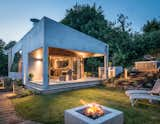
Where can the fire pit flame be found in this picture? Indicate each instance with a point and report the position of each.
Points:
(93, 110)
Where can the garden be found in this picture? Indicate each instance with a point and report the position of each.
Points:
(50, 108)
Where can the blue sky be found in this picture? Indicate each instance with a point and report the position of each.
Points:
(15, 14)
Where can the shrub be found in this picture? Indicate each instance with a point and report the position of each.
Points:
(22, 92)
(26, 92)
(30, 76)
(111, 80)
(19, 82)
(8, 83)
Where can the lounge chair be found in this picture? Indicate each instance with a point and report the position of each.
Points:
(135, 97)
(155, 90)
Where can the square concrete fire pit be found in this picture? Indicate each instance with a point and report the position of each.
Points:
(75, 116)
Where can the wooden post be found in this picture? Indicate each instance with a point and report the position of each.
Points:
(106, 60)
(3, 83)
(99, 72)
(78, 68)
(82, 68)
(13, 87)
(125, 73)
(105, 67)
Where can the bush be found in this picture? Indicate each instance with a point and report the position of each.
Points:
(26, 92)
(111, 80)
(19, 82)
(30, 76)
(8, 84)
(22, 92)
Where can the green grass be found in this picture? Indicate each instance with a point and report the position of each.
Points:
(49, 109)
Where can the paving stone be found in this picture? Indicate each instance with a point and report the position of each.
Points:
(7, 112)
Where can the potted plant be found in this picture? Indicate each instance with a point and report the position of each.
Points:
(30, 76)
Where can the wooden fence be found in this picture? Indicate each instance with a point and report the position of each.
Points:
(147, 66)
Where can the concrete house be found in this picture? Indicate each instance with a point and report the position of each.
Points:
(50, 57)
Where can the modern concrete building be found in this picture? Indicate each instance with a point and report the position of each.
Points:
(50, 57)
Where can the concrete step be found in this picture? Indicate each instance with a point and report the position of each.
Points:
(7, 108)
(63, 87)
(55, 89)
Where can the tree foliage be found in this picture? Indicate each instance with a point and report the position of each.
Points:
(3, 59)
(10, 45)
(124, 25)
(125, 46)
(87, 19)
(151, 25)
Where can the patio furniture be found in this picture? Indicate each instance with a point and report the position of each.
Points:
(135, 97)
(155, 90)
(62, 77)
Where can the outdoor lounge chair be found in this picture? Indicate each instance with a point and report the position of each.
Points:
(135, 97)
(155, 90)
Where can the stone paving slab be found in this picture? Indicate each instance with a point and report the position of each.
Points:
(7, 112)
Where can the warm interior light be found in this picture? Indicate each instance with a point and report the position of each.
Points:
(38, 55)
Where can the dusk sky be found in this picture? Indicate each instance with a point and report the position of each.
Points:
(15, 14)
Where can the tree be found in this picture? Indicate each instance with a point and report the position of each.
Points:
(87, 19)
(151, 25)
(122, 20)
(90, 20)
(125, 47)
(93, 63)
(151, 41)
(3, 60)
(2, 44)
(10, 45)
(120, 40)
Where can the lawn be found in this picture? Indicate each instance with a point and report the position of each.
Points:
(49, 109)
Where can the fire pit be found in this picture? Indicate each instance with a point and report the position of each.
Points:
(93, 111)
(93, 114)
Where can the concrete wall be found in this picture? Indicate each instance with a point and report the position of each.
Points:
(34, 39)
(36, 68)
(35, 63)
(61, 36)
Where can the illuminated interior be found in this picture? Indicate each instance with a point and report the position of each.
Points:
(63, 65)
(67, 65)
